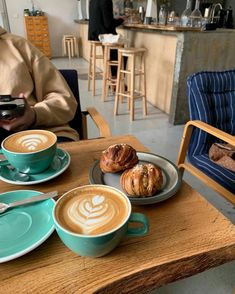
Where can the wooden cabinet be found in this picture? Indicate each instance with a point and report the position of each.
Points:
(38, 33)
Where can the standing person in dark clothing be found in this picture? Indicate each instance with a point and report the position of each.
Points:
(101, 21)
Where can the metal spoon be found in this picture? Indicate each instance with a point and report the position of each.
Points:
(17, 175)
(5, 206)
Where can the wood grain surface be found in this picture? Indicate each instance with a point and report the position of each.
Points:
(187, 236)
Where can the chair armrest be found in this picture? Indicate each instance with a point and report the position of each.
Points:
(99, 121)
(205, 127)
(213, 131)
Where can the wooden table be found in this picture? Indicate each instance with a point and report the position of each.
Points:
(187, 236)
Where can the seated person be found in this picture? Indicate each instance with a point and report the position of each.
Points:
(28, 73)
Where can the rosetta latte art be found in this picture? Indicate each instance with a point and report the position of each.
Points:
(93, 213)
(32, 142)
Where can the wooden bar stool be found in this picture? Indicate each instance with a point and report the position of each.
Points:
(96, 52)
(108, 79)
(69, 46)
(136, 68)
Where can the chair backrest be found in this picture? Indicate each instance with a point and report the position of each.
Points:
(211, 100)
(71, 77)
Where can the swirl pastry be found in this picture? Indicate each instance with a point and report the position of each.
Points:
(142, 180)
(117, 158)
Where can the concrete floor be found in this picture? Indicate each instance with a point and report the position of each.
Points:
(162, 138)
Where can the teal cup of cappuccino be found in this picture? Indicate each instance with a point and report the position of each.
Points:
(92, 220)
(30, 151)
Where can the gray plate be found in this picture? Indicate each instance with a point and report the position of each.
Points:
(171, 178)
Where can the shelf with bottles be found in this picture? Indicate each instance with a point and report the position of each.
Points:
(34, 11)
(185, 16)
(158, 27)
(195, 18)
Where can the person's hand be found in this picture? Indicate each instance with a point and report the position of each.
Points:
(20, 123)
(124, 18)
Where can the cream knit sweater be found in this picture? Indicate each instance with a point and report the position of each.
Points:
(24, 69)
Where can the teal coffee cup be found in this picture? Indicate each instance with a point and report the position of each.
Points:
(30, 151)
(92, 220)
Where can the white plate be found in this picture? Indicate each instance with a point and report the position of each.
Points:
(171, 178)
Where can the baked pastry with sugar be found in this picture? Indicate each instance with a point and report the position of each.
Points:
(117, 158)
(143, 180)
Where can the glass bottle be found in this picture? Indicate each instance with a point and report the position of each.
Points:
(185, 16)
(162, 17)
(196, 16)
(229, 18)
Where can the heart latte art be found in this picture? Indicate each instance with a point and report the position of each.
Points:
(29, 141)
(92, 213)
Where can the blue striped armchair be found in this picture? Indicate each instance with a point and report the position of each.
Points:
(211, 97)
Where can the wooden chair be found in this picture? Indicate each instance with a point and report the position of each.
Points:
(212, 113)
(79, 123)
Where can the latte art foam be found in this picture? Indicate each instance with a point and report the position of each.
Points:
(92, 214)
(29, 141)
(32, 142)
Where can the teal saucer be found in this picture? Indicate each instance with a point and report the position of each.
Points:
(24, 228)
(59, 164)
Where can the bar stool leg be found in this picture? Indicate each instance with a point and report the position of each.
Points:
(105, 72)
(72, 47)
(93, 69)
(132, 86)
(118, 86)
(63, 46)
(68, 48)
(90, 68)
(122, 85)
(128, 78)
(144, 83)
(75, 41)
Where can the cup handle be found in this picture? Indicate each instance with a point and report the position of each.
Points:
(138, 218)
(3, 160)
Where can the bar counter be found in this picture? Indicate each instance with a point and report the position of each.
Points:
(173, 54)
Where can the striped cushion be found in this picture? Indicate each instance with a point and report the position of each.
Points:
(211, 100)
(221, 175)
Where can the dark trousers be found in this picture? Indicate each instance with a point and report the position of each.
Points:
(114, 56)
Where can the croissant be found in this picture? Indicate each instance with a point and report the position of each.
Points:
(117, 158)
(142, 180)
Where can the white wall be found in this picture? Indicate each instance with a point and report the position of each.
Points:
(60, 13)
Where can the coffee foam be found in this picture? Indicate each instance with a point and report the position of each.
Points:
(29, 141)
(92, 212)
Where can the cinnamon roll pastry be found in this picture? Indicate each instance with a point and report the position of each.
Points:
(117, 158)
(142, 180)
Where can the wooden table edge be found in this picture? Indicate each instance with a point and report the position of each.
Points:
(140, 281)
